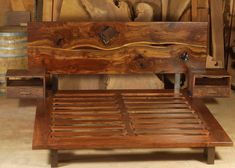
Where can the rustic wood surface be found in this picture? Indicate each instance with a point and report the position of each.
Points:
(26, 84)
(217, 31)
(126, 60)
(41, 125)
(72, 35)
(128, 10)
(60, 45)
(145, 119)
(177, 9)
(231, 45)
(209, 83)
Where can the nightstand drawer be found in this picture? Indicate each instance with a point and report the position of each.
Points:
(209, 83)
(25, 92)
(211, 92)
(26, 83)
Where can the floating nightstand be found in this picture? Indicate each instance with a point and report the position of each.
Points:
(26, 84)
(209, 83)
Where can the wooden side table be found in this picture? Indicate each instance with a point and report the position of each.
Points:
(209, 83)
(26, 83)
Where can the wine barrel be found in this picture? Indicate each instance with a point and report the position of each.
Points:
(13, 51)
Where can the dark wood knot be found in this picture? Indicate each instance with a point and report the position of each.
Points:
(59, 41)
(142, 63)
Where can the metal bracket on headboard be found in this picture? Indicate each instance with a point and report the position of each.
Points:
(107, 34)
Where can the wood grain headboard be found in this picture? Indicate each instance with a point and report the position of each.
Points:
(117, 47)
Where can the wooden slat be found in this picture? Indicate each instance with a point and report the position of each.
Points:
(58, 128)
(156, 106)
(87, 122)
(86, 117)
(160, 111)
(96, 133)
(168, 126)
(168, 121)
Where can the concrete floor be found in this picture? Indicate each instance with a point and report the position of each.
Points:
(17, 120)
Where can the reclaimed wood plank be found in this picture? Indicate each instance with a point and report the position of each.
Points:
(41, 126)
(70, 35)
(217, 26)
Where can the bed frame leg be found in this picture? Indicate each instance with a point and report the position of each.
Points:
(210, 155)
(54, 158)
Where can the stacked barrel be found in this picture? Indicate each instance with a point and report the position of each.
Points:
(13, 51)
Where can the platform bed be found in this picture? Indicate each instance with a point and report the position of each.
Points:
(126, 119)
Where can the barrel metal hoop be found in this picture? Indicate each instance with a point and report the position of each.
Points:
(13, 41)
(12, 55)
(13, 48)
(8, 34)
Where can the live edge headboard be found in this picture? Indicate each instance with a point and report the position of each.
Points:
(117, 47)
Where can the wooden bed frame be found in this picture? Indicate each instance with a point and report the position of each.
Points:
(122, 119)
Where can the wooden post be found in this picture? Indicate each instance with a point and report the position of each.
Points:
(177, 83)
(217, 26)
(210, 155)
(54, 158)
(194, 10)
(38, 10)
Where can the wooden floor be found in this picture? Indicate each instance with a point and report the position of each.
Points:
(125, 119)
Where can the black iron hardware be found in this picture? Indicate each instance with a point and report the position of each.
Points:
(184, 56)
(107, 34)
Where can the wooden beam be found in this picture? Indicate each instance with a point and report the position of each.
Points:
(210, 154)
(54, 158)
(177, 8)
(47, 10)
(177, 83)
(57, 9)
(217, 26)
(165, 5)
(4, 8)
(194, 10)
(39, 10)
